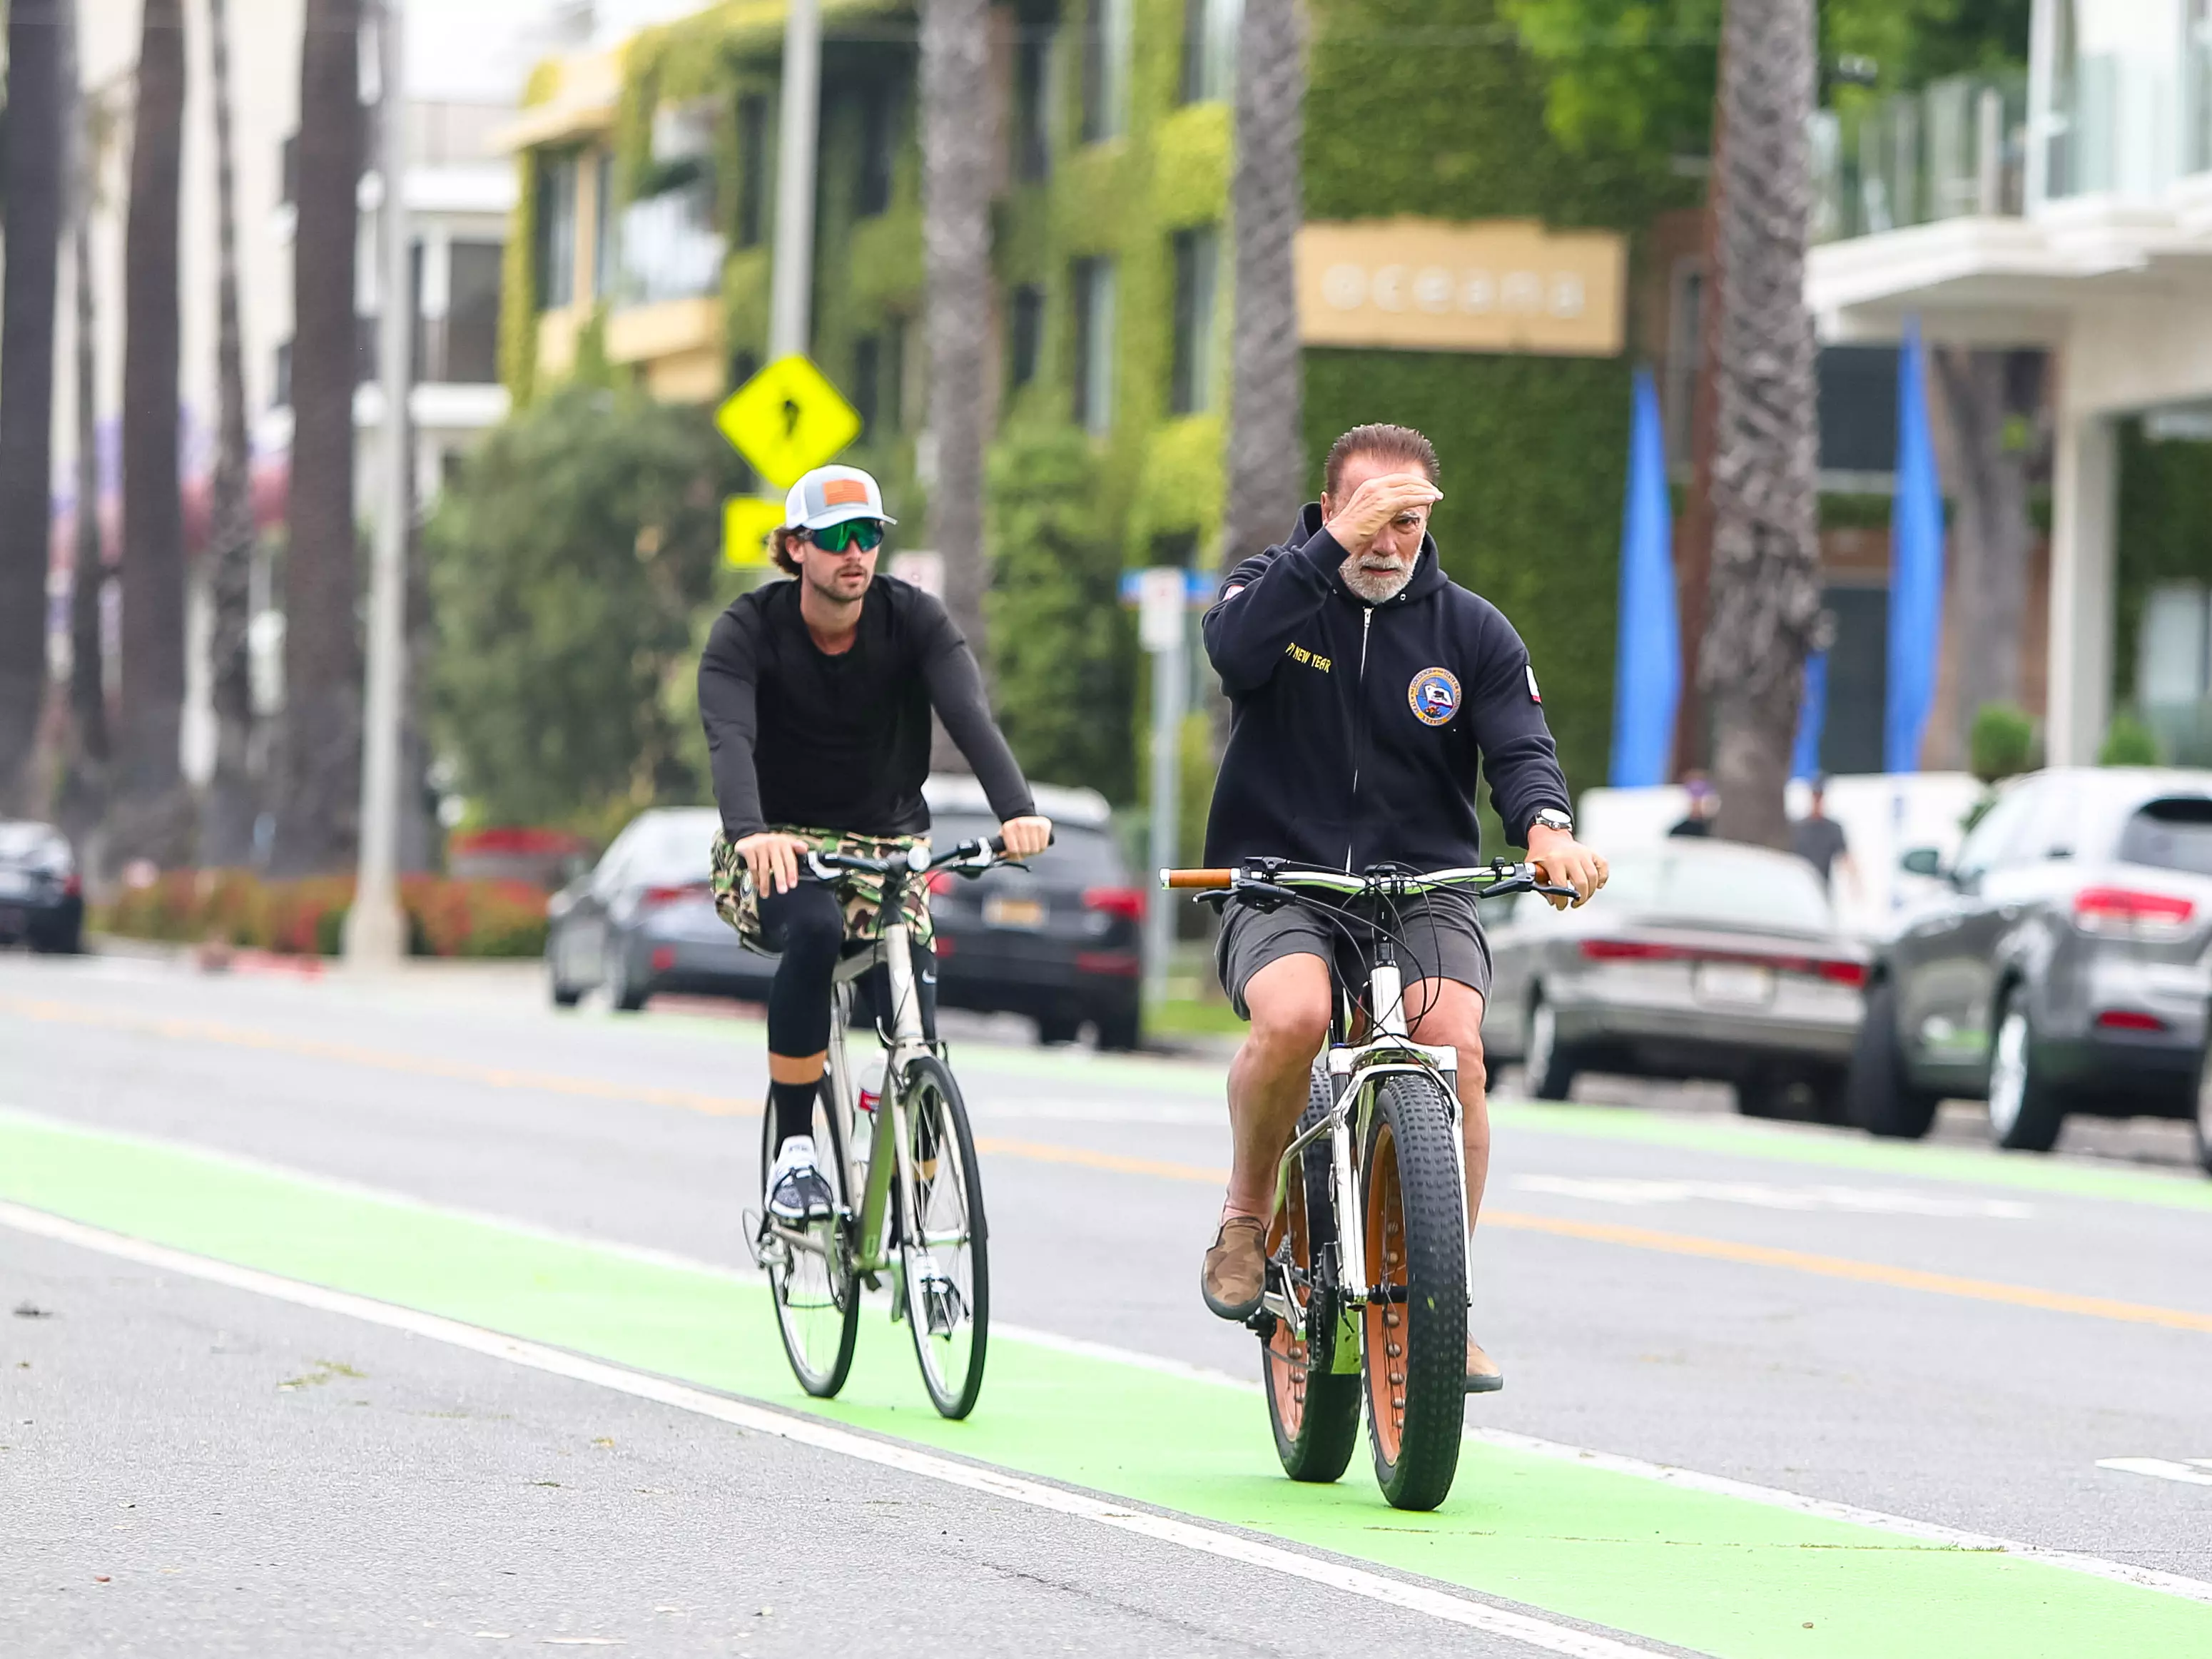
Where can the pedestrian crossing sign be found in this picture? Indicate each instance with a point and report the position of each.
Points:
(747, 521)
(787, 420)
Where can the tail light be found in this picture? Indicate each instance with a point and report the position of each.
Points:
(664, 958)
(74, 887)
(940, 883)
(1835, 970)
(2127, 910)
(1115, 901)
(2128, 1019)
(654, 897)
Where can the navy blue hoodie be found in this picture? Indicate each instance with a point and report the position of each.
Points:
(1356, 729)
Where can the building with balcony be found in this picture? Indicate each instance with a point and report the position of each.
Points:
(2069, 213)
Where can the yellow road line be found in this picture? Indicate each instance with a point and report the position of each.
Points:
(1639, 1238)
(382, 1060)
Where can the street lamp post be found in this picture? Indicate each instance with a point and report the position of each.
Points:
(792, 271)
(375, 931)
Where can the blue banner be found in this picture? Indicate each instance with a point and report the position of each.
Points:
(1812, 719)
(1916, 567)
(1647, 675)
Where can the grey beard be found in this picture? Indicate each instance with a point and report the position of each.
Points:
(1375, 587)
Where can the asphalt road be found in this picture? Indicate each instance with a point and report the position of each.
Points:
(1934, 1332)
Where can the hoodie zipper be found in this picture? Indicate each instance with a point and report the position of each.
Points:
(1359, 706)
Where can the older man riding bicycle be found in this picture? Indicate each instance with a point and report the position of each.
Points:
(1366, 688)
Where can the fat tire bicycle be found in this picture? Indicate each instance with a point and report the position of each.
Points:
(1367, 1277)
(916, 1216)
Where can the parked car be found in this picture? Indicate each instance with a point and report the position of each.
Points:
(1058, 942)
(41, 893)
(1701, 959)
(642, 921)
(2061, 969)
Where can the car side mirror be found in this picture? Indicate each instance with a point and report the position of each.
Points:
(1924, 861)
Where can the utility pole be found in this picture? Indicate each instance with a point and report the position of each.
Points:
(375, 931)
(791, 291)
(1162, 605)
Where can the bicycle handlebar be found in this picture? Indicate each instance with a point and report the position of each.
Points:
(976, 855)
(1490, 881)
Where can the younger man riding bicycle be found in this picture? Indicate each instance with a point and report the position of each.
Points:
(817, 694)
(1365, 688)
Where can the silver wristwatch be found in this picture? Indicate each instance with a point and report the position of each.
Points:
(1552, 819)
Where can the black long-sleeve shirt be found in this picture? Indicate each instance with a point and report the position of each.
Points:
(800, 737)
(1356, 730)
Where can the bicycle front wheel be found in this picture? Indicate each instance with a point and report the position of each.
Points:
(810, 1269)
(1416, 1319)
(941, 1246)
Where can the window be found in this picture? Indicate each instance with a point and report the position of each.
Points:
(472, 312)
(877, 156)
(668, 245)
(1094, 345)
(2175, 834)
(1719, 885)
(1197, 263)
(752, 168)
(1996, 840)
(603, 256)
(556, 252)
(1858, 403)
(1105, 68)
(1025, 333)
(1032, 123)
(1209, 50)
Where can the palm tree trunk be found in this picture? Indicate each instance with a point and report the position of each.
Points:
(153, 816)
(1990, 396)
(1765, 605)
(1266, 449)
(84, 793)
(317, 795)
(228, 812)
(36, 192)
(959, 140)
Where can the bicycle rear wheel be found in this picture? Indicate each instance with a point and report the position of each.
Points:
(1416, 1323)
(943, 1257)
(1313, 1409)
(809, 1270)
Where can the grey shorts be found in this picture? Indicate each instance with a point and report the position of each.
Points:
(1438, 937)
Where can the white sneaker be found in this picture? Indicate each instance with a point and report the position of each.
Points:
(797, 1192)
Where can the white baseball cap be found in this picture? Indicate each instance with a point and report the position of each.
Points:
(833, 495)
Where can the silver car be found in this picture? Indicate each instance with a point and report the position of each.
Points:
(1701, 959)
(2061, 968)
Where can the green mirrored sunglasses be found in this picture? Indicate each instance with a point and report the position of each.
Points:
(864, 533)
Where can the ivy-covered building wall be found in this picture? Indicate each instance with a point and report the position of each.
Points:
(1112, 240)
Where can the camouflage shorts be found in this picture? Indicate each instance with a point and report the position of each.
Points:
(862, 896)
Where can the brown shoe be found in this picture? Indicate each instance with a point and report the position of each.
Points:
(1483, 1376)
(1236, 1269)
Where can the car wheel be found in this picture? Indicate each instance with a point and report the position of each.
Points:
(1055, 1029)
(1550, 1068)
(1877, 1095)
(2204, 1112)
(622, 997)
(2026, 1114)
(564, 994)
(1120, 1029)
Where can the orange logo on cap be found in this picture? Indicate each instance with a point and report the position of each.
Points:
(844, 492)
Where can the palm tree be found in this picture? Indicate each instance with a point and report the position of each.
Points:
(1992, 397)
(153, 809)
(959, 137)
(36, 192)
(228, 812)
(1764, 611)
(84, 793)
(1265, 447)
(318, 786)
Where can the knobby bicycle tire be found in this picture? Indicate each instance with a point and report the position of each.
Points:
(1313, 1409)
(1416, 1330)
(951, 1361)
(818, 1308)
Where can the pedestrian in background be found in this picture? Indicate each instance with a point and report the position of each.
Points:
(1703, 803)
(1820, 840)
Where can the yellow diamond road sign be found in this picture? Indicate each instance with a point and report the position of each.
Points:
(787, 420)
(746, 522)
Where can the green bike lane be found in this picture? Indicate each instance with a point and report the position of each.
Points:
(1697, 1570)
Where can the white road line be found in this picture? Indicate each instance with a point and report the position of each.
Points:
(1689, 1480)
(1768, 1195)
(1540, 1633)
(2193, 1471)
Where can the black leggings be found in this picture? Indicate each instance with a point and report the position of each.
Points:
(806, 927)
